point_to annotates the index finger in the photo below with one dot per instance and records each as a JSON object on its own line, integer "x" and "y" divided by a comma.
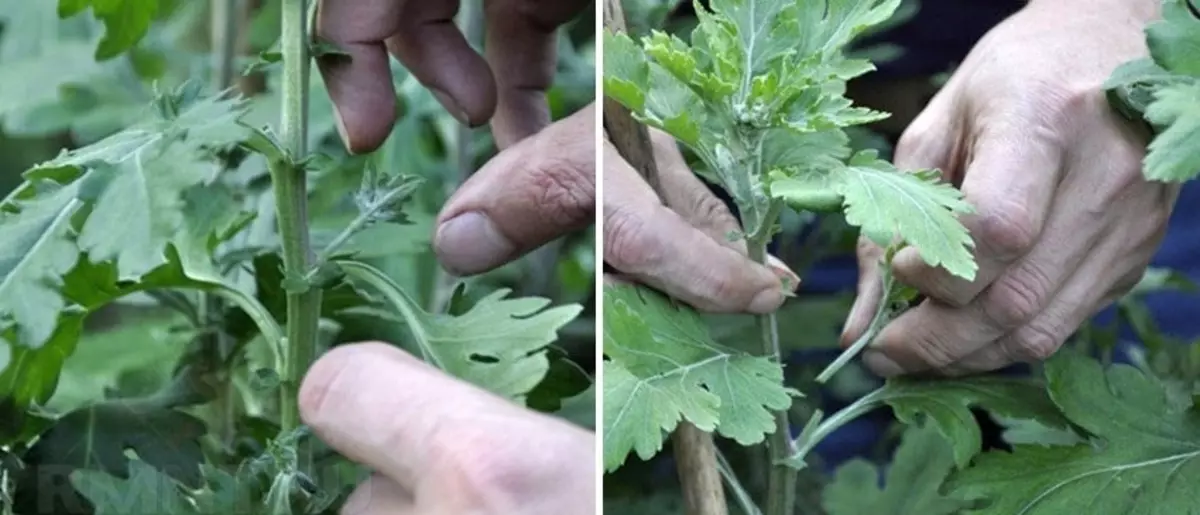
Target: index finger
{"x": 521, "y": 48}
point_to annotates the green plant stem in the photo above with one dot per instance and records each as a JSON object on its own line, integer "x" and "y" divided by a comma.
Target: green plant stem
{"x": 291, "y": 204}
{"x": 735, "y": 485}
{"x": 781, "y": 482}
{"x": 819, "y": 427}
{"x": 877, "y": 322}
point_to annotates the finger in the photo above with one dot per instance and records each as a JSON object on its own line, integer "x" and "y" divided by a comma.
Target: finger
{"x": 649, "y": 242}
{"x": 868, "y": 294}
{"x": 687, "y": 195}
{"x": 360, "y": 87}
{"x": 1010, "y": 182}
{"x": 521, "y": 46}
{"x": 1095, "y": 284}
{"x": 390, "y": 412}
{"x": 524, "y": 197}
{"x": 434, "y": 50}
{"x": 379, "y": 495}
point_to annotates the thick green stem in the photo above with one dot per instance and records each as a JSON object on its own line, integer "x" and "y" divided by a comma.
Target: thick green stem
{"x": 781, "y": 482}
{"x": 291, "y": 204}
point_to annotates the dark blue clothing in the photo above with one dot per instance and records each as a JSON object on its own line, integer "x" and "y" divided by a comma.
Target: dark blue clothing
{"x": 941, "y": 35}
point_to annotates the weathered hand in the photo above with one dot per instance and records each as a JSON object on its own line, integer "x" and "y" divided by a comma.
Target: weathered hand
{"x": 510, "y": 82}
{"x": 1064, "y": 223}
{"x": 440, "y": 446}
{"x": 680, "y": 244}
{"x": 542, "y": 184}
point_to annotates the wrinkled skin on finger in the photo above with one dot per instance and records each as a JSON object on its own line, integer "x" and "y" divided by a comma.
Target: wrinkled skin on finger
{"x": 679, "y": 244}
{"x": 1064, "y": 221}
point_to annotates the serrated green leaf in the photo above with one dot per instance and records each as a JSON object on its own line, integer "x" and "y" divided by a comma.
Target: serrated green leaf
{"x": 138, "y": 178}
{"x": 144, "y": 491}
{"x": 36, "y": 250}
{"x": 126, "y": 22}
{"x": 887, "y": 203}
{"x": 663, "y": 367}
{"x": 1143, "y": 452}
{"x": 911, "y": 487}
{"x": 1173, "y": 155}
{"x": 1174, "y": 40}
{"x": 626, "y": 73}
{"x": 499, "y": 344}
{"x": 947, "y": 406}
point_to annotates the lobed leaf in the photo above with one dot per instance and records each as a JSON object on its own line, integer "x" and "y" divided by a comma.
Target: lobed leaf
{"x": 887, "y": 203}
{"x": 1174, "y": 41}
{"x": 1143, "y": 451}
{"x": 663, "y": 367}
{"x": 1173, "y": 155}
{"x": 498, "y": 344}
{"x": 36, "y": 250}
{"x": 947, "y": 406}
{"x": 912, "y": 484}
{"x": 144, "y": 491}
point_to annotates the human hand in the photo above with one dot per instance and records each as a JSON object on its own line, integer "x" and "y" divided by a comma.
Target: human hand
{"x": 437, "y": 445}
{"x": 1065, "y": 223}
{"x": 511, "y": 82}
{"x": 542, "y": 183}
{"x": 680, "y": 244}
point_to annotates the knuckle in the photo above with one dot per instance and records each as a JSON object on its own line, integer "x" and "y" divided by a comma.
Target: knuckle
{"x": 1036, "y": 342}
{"x": 627, "y": 246}
{"x": 566, "y": 192}
{"x": 1008, "y": 229}
{"x": 709, "y": 209}
{"x": 936, "y": 351}
{"x": 1018, "y": 296}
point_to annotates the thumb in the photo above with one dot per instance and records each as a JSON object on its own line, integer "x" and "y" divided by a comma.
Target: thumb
{"x": 535, "y": 191}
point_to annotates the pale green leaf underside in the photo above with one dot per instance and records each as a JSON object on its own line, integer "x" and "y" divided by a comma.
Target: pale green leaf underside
{"x": 36, "y": 250}
{"x": 1174, "y": 155}
{"x": 137, "y": 179}
{"x": 887, "y": 204}
{"x": 663, "y": 367}
{"x": 1143, "y": 458}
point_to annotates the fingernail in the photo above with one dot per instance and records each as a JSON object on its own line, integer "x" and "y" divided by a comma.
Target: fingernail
{"x": 451, "y": 106}
{"x": 470, "y": 243}
{"x": 767, "y": 301}
{"x": 791, "y": 281}
{"x": 341, "y": 130}
{"x": 881, "y": 365}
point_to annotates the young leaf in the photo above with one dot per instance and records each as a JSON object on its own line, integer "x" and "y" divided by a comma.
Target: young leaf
{"x": 125, "y": 21}
{"x": 1144, "y": 449}
{"x": 499, "y": 344}
{"x": 946, "y": 405}
{"x": 140, "y": 491}
{"x": 1174, "y": 156}
{"x": 887, "y": 203}
{"x": 911, "y": 487}
{"x": 663, "y": 367}
{"x": 1174, "y": 40}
